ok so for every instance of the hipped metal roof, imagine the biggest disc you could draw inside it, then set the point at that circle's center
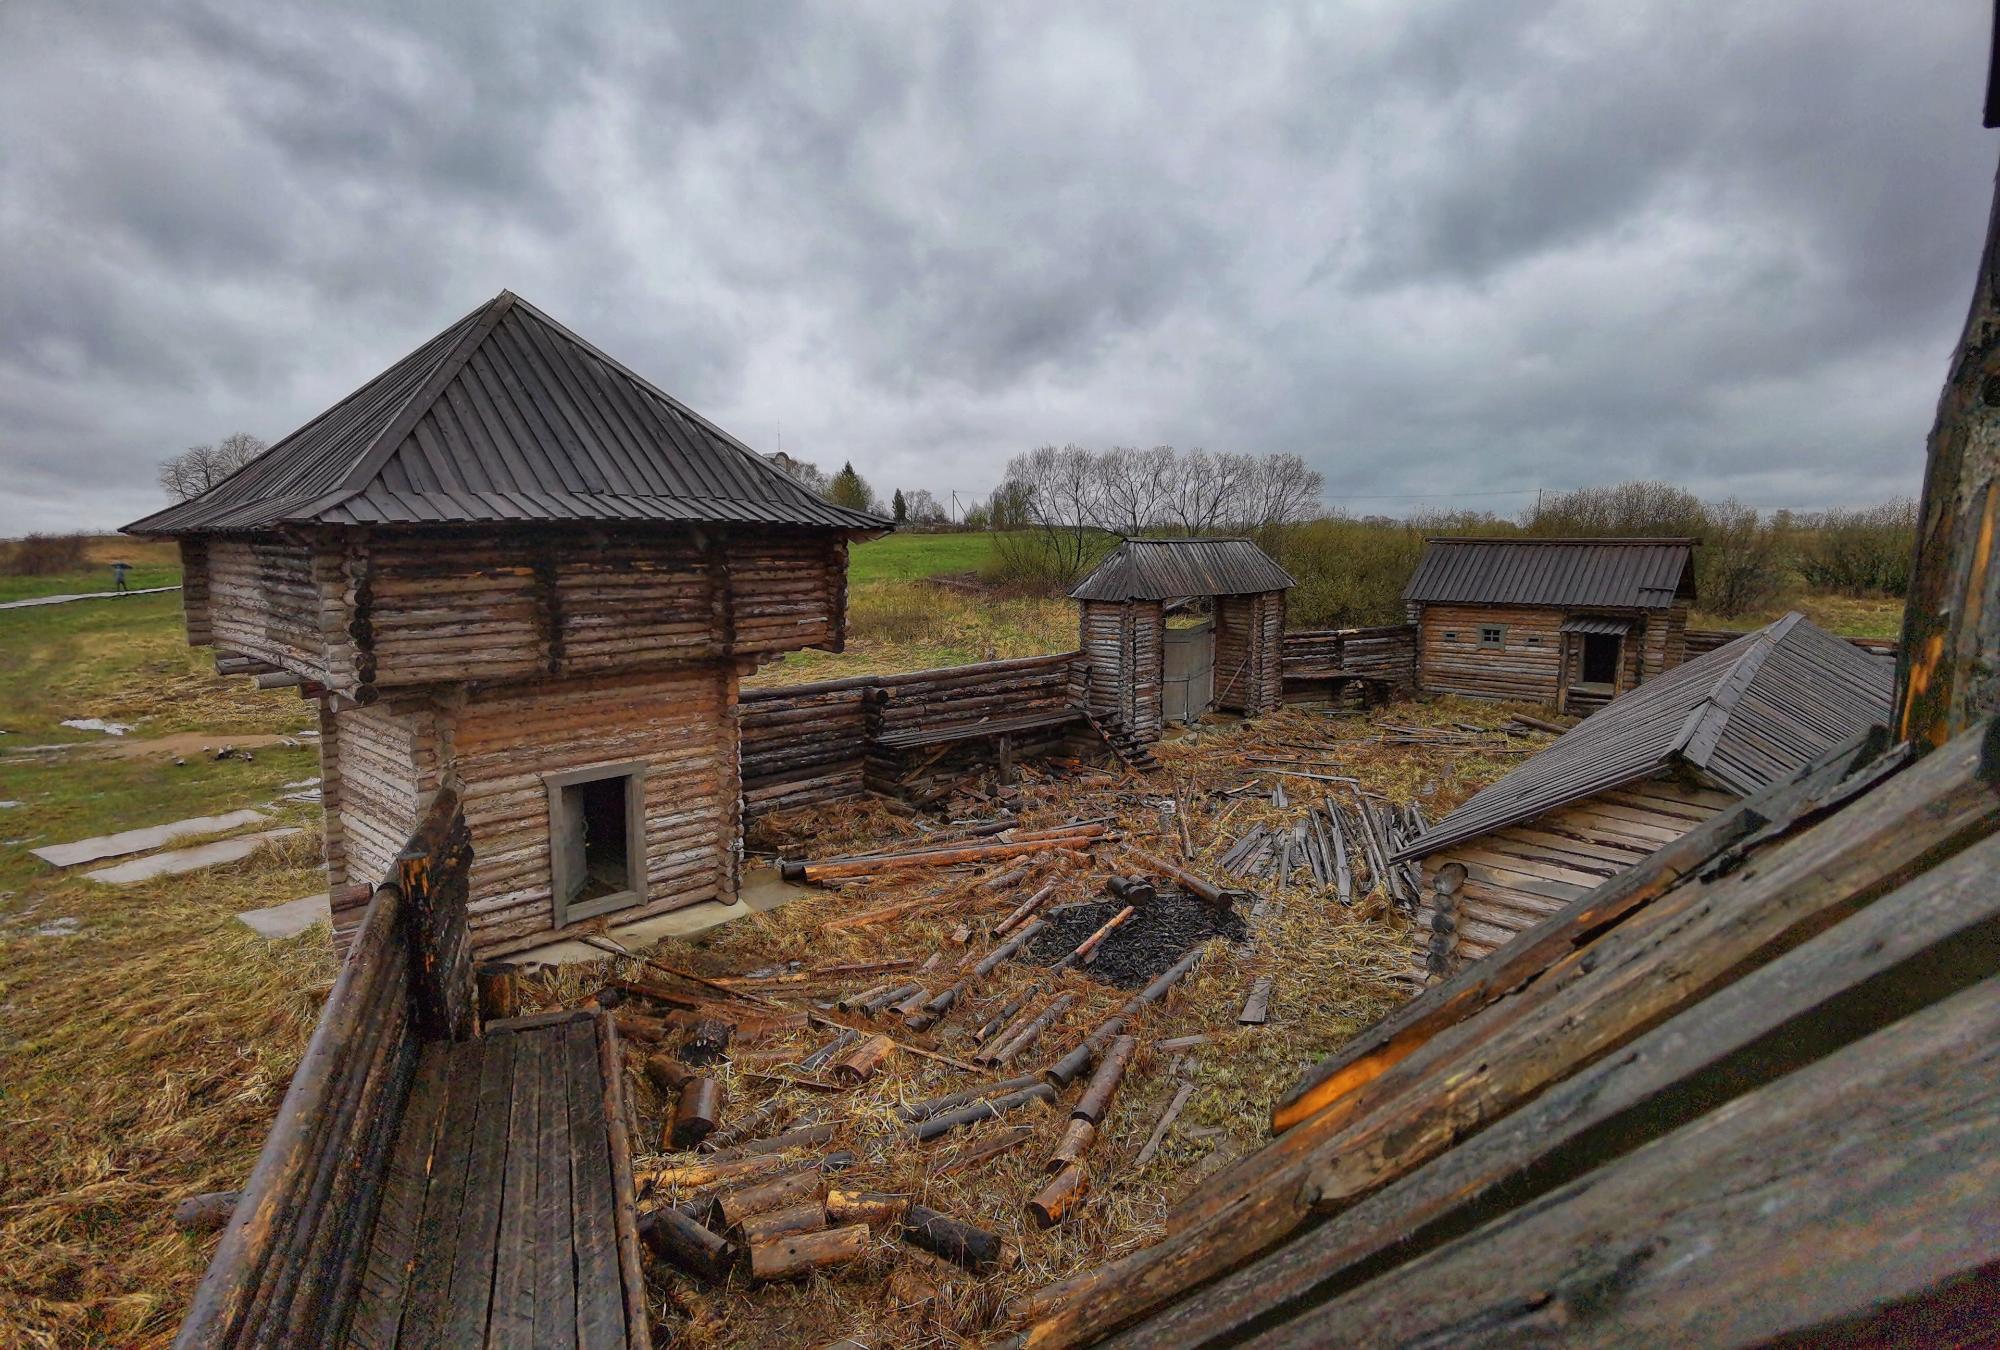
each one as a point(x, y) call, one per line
point(1745, 715)
point(1170, 569)
point(1570, 573)
point(505, 416)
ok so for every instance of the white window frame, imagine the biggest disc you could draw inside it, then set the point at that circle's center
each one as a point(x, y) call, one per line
point(560, 822)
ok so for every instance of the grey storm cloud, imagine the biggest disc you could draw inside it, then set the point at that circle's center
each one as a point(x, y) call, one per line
point(1440, 249)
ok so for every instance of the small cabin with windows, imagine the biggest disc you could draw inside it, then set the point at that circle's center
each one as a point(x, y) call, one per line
point(1572, 623)
point(1634, 777)
point(1142, 672)
point(510, 565)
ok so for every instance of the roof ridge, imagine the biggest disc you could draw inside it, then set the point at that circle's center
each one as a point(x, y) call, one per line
point(390, 438)
point(1707, 719)
point(763, 465)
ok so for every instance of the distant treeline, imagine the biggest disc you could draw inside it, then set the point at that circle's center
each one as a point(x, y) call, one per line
point(1352, 570)
point(43, 555)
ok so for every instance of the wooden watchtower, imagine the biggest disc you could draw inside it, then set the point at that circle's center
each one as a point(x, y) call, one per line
point(510, 565)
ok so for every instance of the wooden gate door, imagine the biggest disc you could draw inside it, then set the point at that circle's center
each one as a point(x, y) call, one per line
point(1187, 676)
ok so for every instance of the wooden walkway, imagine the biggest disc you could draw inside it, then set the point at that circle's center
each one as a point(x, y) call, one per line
point(499, 1215)
point(430, 1181)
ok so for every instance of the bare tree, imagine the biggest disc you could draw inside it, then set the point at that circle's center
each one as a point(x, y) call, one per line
point(803, 472)
point(200, 467)
point(1275, 491)
point(1133, 487)
point(1059, 489)
point(923, 507)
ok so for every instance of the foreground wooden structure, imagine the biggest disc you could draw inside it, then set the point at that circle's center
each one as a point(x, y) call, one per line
point(510, 564)
point(427, 1181)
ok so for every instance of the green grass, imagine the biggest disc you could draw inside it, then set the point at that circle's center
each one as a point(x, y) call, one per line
point(1869, 616)
point(910, 557)
point(124, 661)
point(143, 576)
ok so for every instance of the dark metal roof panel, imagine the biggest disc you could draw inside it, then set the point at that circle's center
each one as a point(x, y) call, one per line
point(506, 416)
point(1593, 623)
point(1746, 714)
point(1571, 573)
point(1168, 569)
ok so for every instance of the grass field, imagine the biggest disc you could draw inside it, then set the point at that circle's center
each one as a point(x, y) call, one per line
point(910, 557)
point(153, 564)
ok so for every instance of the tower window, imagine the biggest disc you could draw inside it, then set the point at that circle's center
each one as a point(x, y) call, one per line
point(597, 839)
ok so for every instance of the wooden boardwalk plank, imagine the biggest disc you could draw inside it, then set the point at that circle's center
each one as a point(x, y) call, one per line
point(512, 1322)
point(428, 1300)
point(600, 1299)
point(555, 1262)
point(378, 1307)
point(479, 1214)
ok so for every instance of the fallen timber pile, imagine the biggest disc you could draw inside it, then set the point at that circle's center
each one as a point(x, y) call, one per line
point(971, 1046)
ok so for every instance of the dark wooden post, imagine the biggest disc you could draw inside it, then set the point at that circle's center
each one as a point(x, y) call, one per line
point(1946, 674)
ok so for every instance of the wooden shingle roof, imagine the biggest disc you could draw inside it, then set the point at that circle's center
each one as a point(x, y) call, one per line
point(505, 416)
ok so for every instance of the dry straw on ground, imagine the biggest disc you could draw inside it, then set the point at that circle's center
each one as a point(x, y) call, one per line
point(1336, 969)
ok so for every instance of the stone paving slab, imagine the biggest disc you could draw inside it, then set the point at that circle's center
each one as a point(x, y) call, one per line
point(289, 919)
point(180, 860)
point(140, 841)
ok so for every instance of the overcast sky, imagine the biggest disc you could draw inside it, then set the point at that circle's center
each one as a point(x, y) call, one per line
point(1437, 249)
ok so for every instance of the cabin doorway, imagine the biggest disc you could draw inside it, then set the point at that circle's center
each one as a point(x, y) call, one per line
point(597, 850)
point(1600, 658)
point(1187, 672)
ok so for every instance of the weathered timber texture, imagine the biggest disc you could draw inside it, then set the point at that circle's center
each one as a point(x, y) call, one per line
point(1948, 676)
point(499, 744)
point(1123, 661)
point(1536, 661)
point(828, 741)
point(1249, 652)
point(1518, 876)
point(1318, 663)
point(414, 1173)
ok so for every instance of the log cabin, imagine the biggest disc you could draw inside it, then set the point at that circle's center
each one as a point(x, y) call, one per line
point(1630, 779)
point(1143, 674)
point(1572, 623)
point(510, 565)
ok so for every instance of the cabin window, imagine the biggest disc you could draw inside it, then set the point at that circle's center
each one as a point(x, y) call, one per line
point(597, 839)
point(1493, 635)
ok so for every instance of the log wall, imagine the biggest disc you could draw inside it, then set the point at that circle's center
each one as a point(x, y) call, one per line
point(1385, 655)
point(836, 739)
point(1701, 641)
point(1122, 645)
point(1451, 661)
point(489, 605)
point(1518, 876)
point(498, 744)
point(258, 598)
point(1249, 652)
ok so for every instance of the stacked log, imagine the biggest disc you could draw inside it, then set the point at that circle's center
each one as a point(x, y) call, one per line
point(836, 739)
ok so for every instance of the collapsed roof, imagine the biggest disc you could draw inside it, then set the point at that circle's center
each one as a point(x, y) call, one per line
point(1744, 715)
